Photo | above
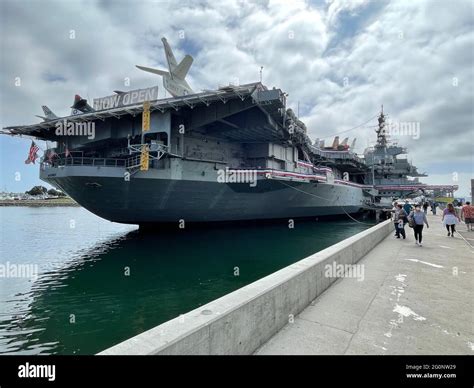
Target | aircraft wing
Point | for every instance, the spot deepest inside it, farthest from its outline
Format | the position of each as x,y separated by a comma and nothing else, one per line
182,69
151,70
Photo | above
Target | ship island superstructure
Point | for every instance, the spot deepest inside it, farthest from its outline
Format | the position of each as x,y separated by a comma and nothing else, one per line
392,174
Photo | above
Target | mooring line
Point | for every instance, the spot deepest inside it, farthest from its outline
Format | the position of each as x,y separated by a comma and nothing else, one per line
326,199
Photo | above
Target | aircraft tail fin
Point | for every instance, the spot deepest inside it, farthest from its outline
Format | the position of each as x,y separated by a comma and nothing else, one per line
174,80
169,55
48,114
353,144
182,69
335,143
80,105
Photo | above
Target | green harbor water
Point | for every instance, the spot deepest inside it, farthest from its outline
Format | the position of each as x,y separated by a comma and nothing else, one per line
100,283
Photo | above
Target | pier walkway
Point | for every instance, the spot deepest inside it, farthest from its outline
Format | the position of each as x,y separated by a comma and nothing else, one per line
410,300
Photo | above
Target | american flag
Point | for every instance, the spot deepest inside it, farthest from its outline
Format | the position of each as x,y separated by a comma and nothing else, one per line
32,154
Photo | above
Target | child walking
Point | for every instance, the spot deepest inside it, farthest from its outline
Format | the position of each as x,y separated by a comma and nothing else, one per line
400,219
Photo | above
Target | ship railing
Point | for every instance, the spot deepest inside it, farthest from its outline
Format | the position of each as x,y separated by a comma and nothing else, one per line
133,162
155,151
72,159
159,148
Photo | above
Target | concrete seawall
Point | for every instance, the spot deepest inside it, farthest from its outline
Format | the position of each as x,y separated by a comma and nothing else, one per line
240,322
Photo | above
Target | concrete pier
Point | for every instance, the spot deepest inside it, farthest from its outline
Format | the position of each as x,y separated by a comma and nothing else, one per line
412,300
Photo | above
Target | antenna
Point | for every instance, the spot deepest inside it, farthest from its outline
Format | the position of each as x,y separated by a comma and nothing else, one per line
261,70
381,131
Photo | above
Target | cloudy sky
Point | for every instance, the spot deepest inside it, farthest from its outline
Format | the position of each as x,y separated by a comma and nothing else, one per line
341,60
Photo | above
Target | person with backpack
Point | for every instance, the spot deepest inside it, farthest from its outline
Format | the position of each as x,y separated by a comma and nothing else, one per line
418,219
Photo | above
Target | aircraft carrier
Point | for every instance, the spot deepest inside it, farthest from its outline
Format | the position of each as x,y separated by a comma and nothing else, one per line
234,153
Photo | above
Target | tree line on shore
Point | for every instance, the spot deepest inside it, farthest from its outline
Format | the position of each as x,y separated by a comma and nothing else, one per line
41,190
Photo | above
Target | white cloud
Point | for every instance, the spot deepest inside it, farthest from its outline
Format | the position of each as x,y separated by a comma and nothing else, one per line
405,55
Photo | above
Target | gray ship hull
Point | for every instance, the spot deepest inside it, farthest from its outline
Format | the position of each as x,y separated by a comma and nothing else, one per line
159,200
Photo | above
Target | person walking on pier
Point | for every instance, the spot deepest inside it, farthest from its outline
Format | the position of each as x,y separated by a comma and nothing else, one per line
407,207
400,219
394,210
434,205
418,218
467,213
425,207
450,219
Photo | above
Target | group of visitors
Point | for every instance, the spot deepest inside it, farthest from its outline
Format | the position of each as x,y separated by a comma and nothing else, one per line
407,214
416,218
432,205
